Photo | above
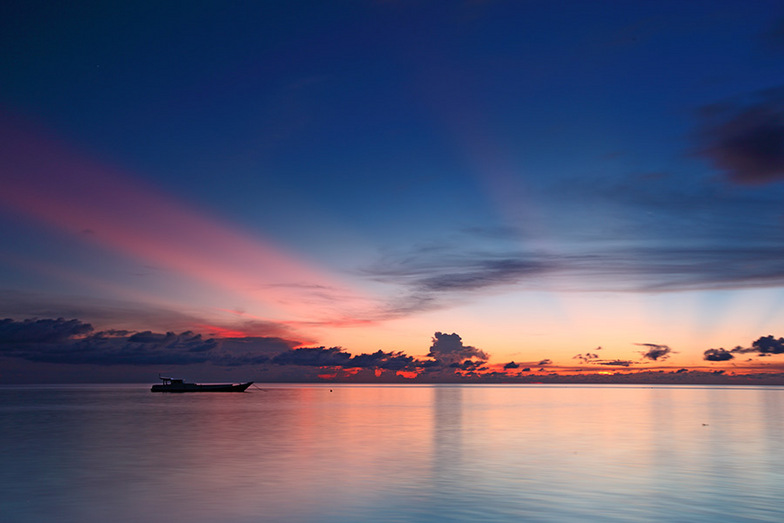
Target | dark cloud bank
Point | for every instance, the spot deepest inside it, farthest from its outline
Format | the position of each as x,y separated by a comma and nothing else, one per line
71,343
762,347
745,138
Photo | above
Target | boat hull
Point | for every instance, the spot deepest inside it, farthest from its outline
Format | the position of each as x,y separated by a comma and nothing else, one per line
195,387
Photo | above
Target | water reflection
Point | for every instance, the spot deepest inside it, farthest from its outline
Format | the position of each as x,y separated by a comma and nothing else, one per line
388,453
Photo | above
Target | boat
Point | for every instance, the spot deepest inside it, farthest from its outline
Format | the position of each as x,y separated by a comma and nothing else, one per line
179,385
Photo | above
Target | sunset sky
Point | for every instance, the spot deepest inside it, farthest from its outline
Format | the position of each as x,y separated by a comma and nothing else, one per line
472,188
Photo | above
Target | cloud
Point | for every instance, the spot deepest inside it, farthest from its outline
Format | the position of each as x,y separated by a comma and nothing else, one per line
485,273
468,365
313,357
448,349
728,258
73,342
746,140
512,365
769,345
385,360
545,362
41,331
717,355
588,357
430,273
447,352
764,346
187,341
617,363
337,357
655,352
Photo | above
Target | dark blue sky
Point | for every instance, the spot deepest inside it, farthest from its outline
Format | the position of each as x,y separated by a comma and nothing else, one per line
496,168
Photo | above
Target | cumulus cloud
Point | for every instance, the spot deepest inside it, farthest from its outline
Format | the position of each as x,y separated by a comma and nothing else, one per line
717,355
447,352
764,346
655,352
769,345
385,360
448,349
746,139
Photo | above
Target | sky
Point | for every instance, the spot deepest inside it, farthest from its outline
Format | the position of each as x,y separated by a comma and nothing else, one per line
392,191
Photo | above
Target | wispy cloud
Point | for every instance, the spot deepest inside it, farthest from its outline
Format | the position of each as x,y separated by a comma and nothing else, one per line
617,363
433,280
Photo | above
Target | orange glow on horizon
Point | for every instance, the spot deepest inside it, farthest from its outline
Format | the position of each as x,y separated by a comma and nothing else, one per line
220,332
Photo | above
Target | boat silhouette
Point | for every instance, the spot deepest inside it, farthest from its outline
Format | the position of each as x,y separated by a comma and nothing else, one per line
179,385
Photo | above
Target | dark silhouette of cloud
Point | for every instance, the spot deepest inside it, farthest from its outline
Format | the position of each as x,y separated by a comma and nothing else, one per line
469,365
769,345
616,363
187,341
337,358
313,357
588,357
41,331
73,342
746,140
448,349
717,355
384,360
764,346
655,352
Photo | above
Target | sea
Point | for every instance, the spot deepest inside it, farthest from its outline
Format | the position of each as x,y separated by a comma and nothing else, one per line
392,453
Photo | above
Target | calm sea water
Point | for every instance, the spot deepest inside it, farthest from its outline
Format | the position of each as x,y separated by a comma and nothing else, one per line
338,453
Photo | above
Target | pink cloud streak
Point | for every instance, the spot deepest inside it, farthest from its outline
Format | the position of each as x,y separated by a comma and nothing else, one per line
44,180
